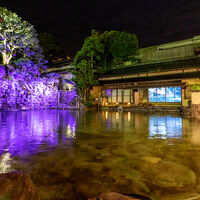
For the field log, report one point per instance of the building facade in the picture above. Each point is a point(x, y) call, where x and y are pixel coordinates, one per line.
point(166, 76)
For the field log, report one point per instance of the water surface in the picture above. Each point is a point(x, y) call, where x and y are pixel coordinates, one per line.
point(76, 155)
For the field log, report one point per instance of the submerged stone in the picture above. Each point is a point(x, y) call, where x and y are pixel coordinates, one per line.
point(153, 160)
point(5, 163)
point(167, 174)
point(113, 196)
point(17, 186)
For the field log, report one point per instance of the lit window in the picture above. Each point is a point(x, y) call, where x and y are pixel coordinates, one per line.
point(127, 93)
point(109, 95)
point(119, 95)
point(108, 92)
point(114, 95)
point(168, 94)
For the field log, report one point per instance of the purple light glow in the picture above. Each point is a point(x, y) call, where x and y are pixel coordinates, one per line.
point(69, 98)
point(16, 94)
point(108, 91)
point(2, 71)
point(28, 132)
point(24, 91)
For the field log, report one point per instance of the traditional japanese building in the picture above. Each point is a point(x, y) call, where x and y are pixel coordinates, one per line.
point(164, 76)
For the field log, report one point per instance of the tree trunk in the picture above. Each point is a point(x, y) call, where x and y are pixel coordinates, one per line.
point(5, 63)
point(105, 65)
point(86, 94)
point(92, 61)
point(4, 59)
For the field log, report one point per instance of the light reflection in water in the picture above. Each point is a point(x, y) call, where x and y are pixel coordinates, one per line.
point(71, 130)
point(117, 116)
point(24, 132)
point(129, 116)
point(157, 126)
point(124, 143)
point(28, 132)
point(106, 114)
point(165, 127)
point(5, 162)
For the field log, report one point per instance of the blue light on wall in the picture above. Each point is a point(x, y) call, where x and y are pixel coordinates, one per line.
point(165, 94)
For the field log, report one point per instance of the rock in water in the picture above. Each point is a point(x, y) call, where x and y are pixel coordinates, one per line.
point(5, 163)
point(169, 175)
point(17, 186)
point(113, 196)
point(153, 160)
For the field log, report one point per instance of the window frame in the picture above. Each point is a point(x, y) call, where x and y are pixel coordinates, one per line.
point(165, 95)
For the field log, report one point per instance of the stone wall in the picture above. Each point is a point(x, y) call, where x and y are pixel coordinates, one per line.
point(17, 94)
point(195, 111)
point(36, 94)
point(195, 108)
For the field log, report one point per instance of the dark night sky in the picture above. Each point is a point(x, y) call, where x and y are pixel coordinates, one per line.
point(153, 21)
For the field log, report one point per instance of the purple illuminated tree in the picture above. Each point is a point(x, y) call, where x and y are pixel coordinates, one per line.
point(18, 37)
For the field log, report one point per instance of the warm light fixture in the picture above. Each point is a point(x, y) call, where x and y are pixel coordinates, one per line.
point(117, 103)
point(106, 103)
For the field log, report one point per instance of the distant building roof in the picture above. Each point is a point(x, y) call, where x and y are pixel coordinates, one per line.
point(171, 59)
point(172, 50)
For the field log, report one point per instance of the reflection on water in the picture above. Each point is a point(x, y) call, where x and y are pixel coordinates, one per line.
point(165, 127)
point(95, 152)
point(157, 126)
point(5, 162)
point(25, 131)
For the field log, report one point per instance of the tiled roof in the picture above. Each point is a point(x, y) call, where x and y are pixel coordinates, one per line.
point(159, 66)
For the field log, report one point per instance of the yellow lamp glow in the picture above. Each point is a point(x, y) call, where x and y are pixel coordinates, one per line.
point(117, 116)
point(129, 116)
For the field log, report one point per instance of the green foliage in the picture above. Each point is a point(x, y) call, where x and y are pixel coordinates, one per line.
point(89, 102)
point(123, 44)
point(107, 58)
point(118, 47)
point(195, 86)
point(17, 37)
point(99, 53)
point(86, 64)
